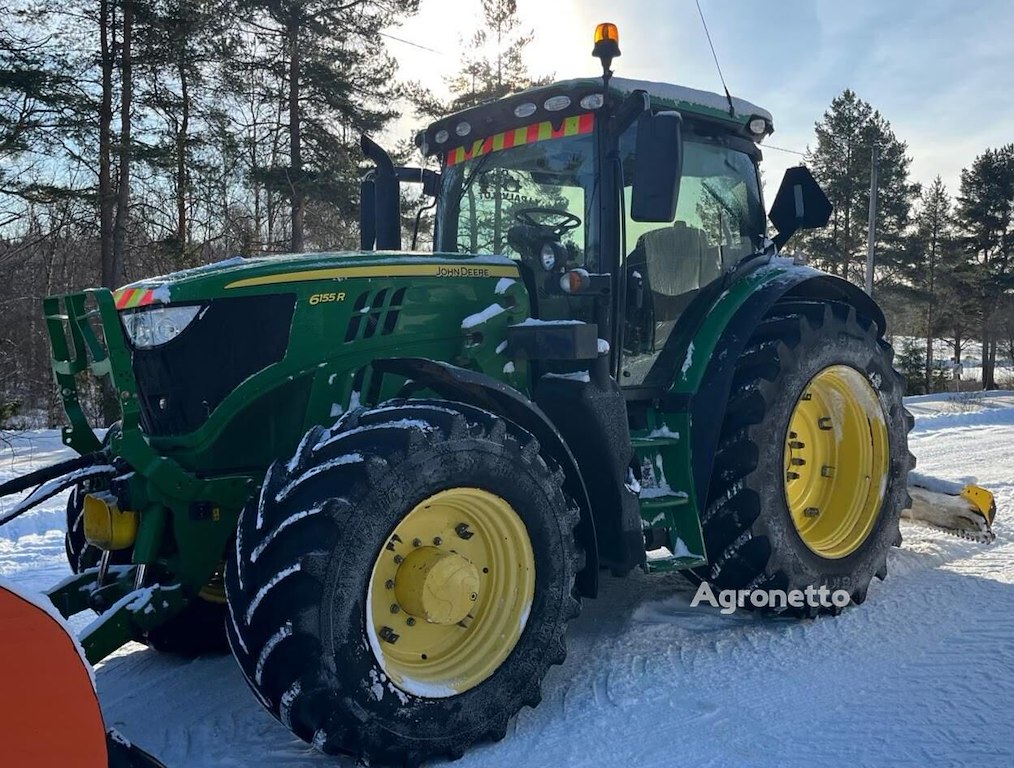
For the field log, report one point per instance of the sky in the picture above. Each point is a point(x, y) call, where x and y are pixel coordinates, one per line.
point(941, 71)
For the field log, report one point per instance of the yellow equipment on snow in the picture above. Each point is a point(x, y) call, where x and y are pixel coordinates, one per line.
point(967, 511)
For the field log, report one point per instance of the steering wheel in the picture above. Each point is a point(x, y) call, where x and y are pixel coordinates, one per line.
point(568, 221)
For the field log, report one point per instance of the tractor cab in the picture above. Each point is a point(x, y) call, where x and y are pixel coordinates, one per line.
point(622, 201)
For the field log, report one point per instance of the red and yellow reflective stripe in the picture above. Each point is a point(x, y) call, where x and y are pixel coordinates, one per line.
point(132, 298)
point(571, 126)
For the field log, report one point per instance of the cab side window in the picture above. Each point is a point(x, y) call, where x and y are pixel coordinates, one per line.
point(716, 224)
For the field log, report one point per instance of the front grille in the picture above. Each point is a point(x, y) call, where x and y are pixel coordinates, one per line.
point(182, 382)
point(375, 314)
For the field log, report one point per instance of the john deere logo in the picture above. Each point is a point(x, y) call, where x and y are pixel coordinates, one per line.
point(463, 272)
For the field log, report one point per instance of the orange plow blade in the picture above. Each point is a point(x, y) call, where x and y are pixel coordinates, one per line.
point(49, 713)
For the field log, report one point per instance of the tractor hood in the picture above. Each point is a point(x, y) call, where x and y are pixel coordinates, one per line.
point(264, 274)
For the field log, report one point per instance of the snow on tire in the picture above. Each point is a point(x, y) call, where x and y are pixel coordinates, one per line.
point(753, 540)
point(307, 556)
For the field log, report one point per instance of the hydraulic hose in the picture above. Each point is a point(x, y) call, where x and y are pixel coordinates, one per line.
point(50, 480)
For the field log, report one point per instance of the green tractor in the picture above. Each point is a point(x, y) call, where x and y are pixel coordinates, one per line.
point(390, 477)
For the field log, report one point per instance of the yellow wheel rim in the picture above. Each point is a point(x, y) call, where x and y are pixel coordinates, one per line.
point(450, 592)
point(836, 461)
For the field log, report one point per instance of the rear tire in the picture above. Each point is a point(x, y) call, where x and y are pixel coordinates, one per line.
point(301, 587)
point(755, 534)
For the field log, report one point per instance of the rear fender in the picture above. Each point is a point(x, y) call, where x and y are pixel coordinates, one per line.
point(704, 384)
point(482, 391)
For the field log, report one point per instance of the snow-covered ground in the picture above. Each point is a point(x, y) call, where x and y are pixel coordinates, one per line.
point(921, 674)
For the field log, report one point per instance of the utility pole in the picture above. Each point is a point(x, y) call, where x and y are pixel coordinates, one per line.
point(871, 236)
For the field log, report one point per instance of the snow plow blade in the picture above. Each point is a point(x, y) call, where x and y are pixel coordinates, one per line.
point(966, 511)
point(49, 713)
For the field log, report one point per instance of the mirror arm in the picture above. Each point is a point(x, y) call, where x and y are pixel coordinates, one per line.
point(635, 105)
point(429, 179)
point(782, 238)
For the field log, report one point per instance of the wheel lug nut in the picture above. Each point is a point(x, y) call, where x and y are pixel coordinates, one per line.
point(395, 608)
point(797, 462)
point(463, 531)
point(791, 475)
point(796, 445)
point(389, 584)
point(398, 559)
point(410, 621)
point(416, 542)
point(437, 541)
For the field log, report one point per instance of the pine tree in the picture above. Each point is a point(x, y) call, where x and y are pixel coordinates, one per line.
point(936, 256)
point(180, 44)
point(911, 363)
point(492, 64)
point(336, 83)
point(986, 213)
point(841, 162)
point(492, 67)
point(37, 102)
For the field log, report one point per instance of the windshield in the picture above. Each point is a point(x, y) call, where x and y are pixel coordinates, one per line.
point(506, 200)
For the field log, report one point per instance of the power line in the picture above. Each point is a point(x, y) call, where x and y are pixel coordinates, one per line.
point(732, 110)
point(783, 149)
point(409, 42)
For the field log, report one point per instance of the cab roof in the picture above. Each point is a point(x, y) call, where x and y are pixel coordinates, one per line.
point(464, 128)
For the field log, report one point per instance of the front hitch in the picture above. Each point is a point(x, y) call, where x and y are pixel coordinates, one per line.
point(199, 513)
point(126, 612)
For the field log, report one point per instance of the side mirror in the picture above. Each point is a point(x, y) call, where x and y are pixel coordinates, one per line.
point(658, 165)
point(799, 204)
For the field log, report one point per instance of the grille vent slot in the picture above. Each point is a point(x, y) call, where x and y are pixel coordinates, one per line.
point(375, 314)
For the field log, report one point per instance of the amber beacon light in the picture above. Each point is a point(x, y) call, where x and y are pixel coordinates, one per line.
point(607, 42)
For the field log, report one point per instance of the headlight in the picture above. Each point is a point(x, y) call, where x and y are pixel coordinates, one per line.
point(154, 326)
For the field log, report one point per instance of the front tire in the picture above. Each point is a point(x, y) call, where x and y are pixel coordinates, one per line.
point(370, 619)
point(809, 479)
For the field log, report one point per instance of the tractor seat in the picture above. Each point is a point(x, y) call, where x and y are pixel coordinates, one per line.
point(678, 262)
